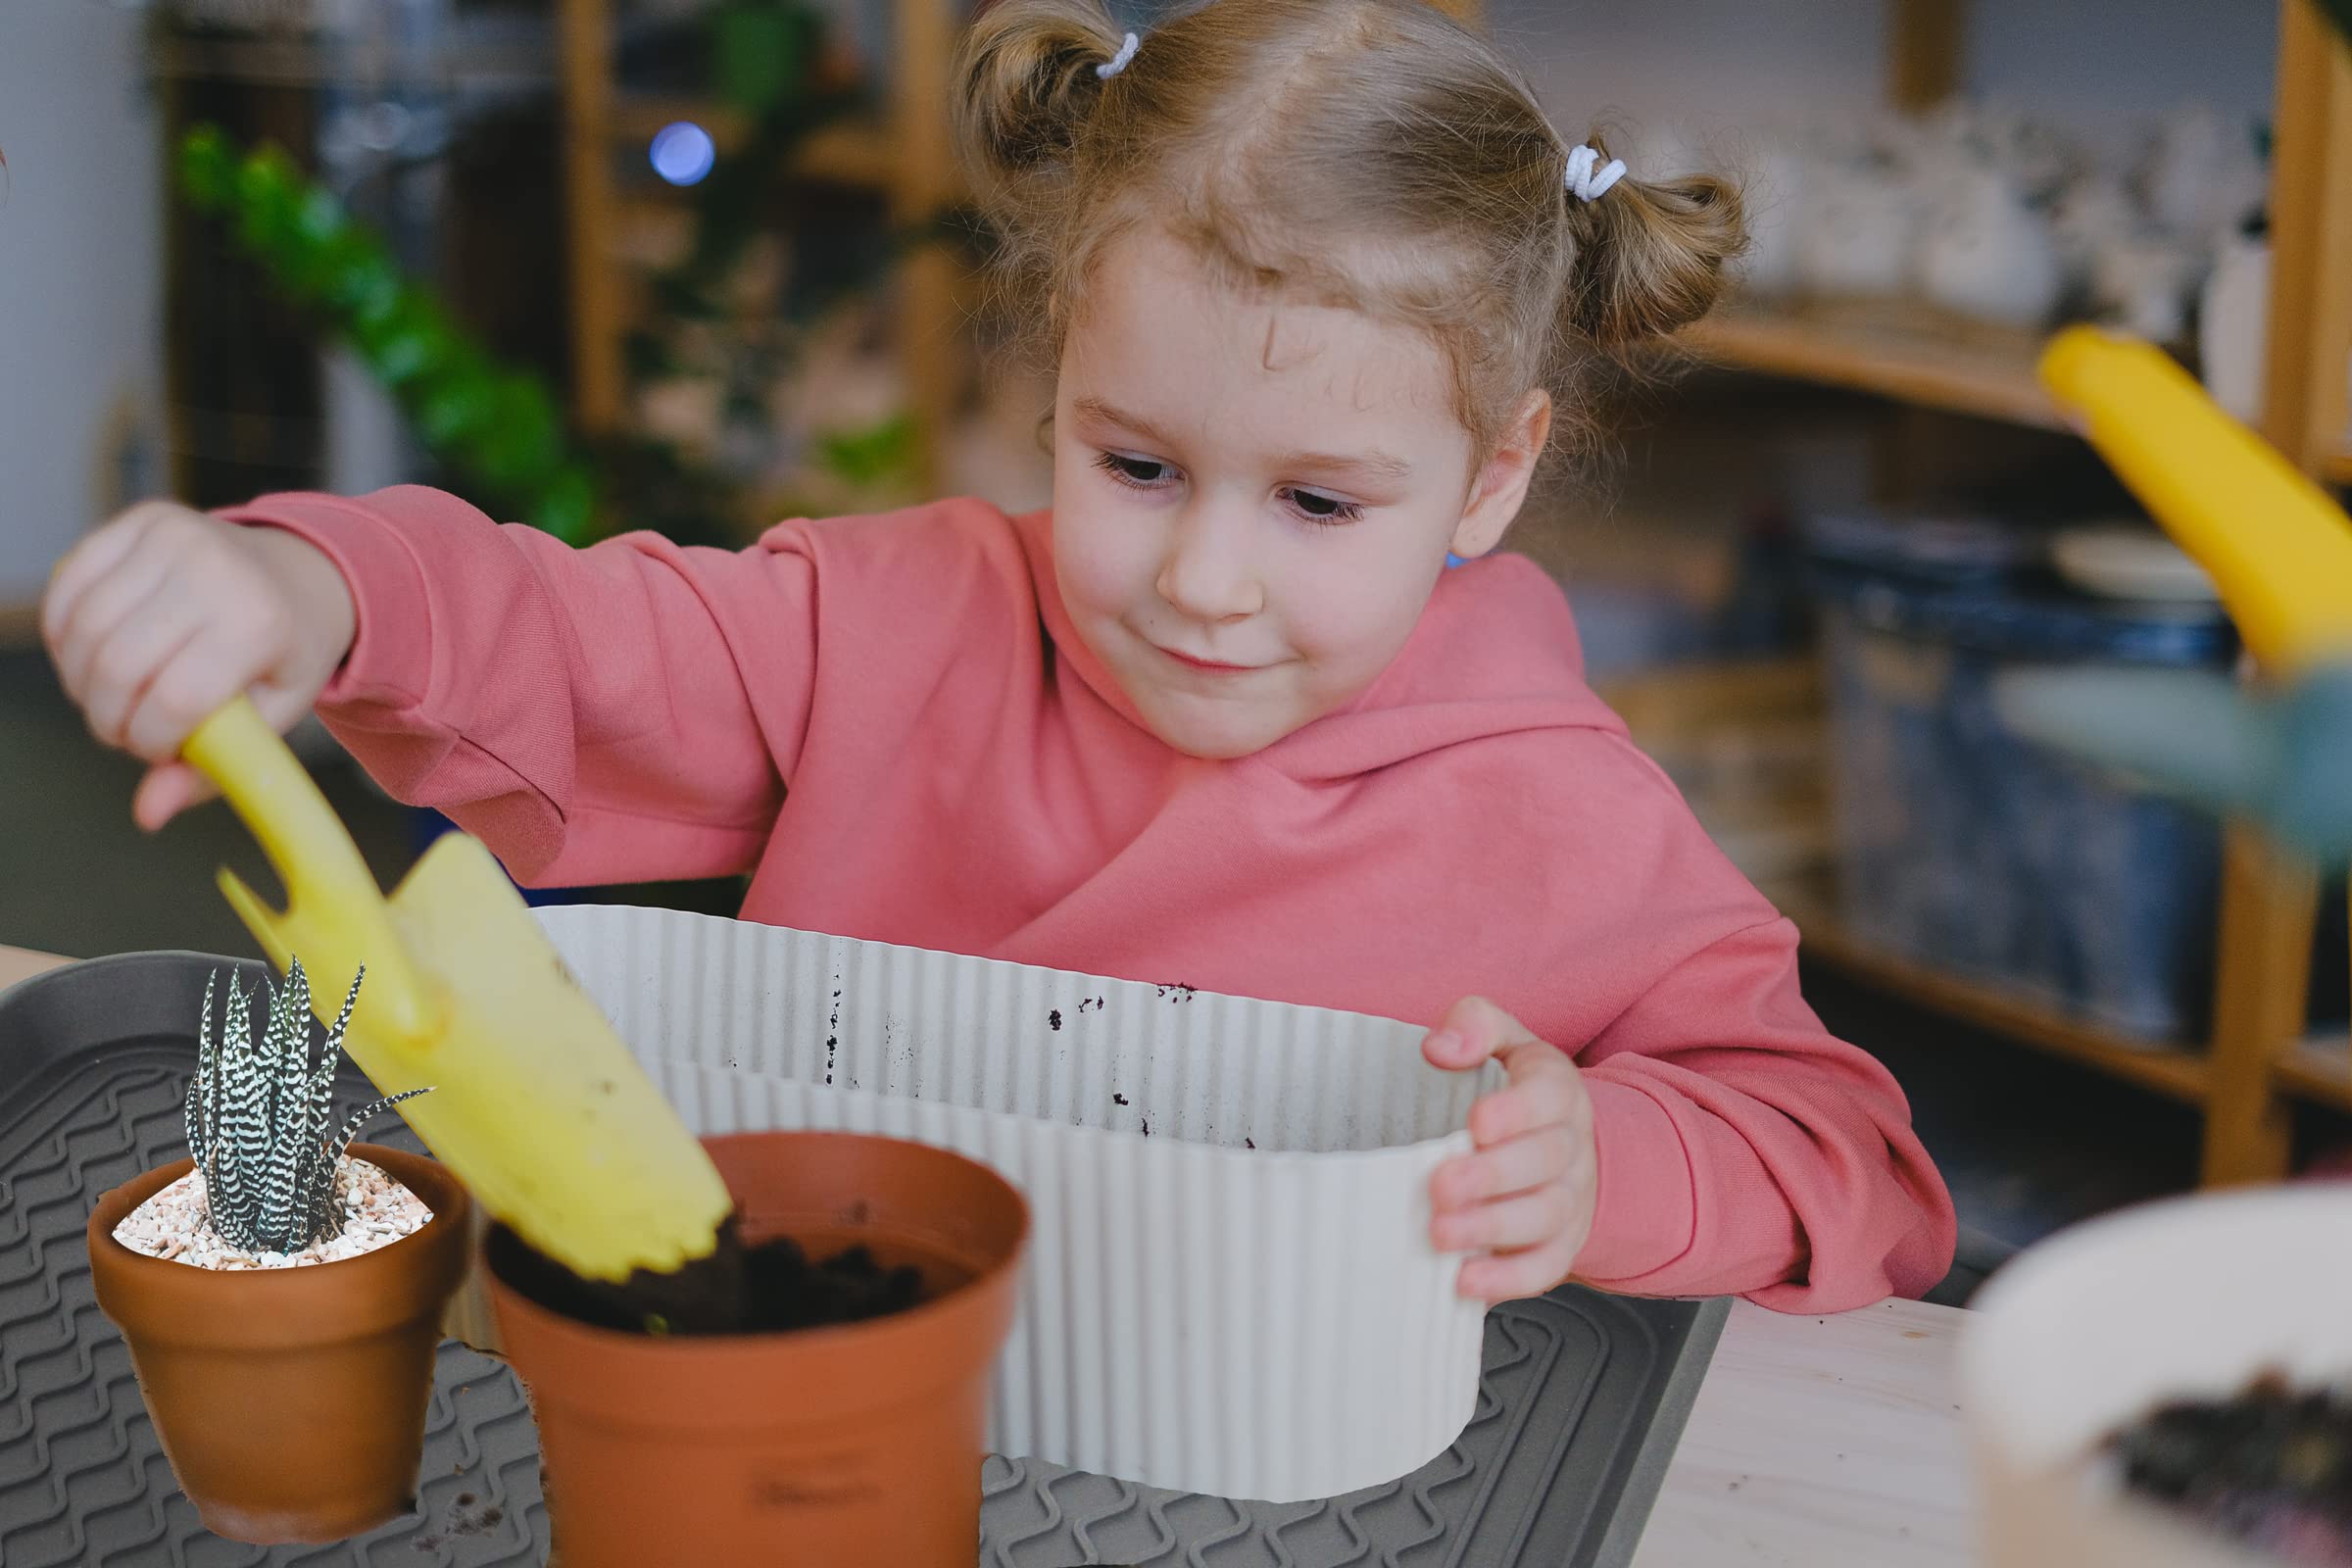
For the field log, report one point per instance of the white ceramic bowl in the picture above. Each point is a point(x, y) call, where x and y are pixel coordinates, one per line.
point(2081, 1334)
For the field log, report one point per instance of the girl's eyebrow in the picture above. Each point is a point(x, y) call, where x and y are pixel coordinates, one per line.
point(1374, 464)
point(1364, 464)
point(1097, 409)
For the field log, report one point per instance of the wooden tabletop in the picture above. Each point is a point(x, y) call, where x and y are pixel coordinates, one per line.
point(17, 964)
point(1822, 1442)
point(1815, 1442)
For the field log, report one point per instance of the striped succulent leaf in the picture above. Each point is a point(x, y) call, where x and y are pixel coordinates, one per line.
point(286, 1069)
point(198, 1103)
point(257, 1111)
point(231, 1208)
point(365, 1115)
point(318, 1113)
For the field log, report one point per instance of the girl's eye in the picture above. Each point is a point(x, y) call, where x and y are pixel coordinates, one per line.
point(1144, 474)
point(1316, 507)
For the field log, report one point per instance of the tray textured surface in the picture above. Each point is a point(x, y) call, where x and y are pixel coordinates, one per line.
point(1581, 1399)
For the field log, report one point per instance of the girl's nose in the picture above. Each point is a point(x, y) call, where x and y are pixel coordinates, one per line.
point(1208, 572)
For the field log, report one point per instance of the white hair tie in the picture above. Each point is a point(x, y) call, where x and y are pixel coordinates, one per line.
point(1120, 60)
point(1585, 181)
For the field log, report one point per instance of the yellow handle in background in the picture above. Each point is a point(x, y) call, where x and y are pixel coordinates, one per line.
point(2277, 548)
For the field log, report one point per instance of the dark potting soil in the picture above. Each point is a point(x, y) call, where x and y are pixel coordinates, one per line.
point(2270, 1467)
point(773, 1287)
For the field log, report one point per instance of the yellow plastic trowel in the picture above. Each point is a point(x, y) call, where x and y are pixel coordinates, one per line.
point(536, 1104)
point(2279, 550)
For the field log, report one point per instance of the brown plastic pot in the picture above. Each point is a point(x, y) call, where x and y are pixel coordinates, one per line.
point(291, 1402)
point(856, 1443)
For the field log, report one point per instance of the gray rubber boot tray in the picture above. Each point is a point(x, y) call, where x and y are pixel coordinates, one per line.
point(1584, 1398)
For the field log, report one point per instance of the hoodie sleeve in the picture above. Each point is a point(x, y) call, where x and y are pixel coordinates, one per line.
point(1744, 1150)
point(623, 713)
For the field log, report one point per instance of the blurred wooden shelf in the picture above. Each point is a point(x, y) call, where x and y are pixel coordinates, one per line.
point(19, 625)
point(850, 152)
point(1912, 356)
point(2339, 467)
point(2182, 1074)
point(2319, 1069)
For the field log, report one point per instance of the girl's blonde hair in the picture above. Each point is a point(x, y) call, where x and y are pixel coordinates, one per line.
point(1367, 153)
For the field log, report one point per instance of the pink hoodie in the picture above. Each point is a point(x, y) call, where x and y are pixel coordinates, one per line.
point(889, 723)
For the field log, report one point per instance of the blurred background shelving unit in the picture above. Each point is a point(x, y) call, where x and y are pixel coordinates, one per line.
point(2257, 1058)
point(900, 151)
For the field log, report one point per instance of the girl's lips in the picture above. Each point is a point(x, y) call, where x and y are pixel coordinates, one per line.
point(1209, 665)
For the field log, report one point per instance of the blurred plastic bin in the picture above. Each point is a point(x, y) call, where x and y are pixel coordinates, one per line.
point(1961, 845)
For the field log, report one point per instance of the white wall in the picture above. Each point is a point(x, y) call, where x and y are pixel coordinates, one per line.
point(1716, 68)
point(1722, 69)
point(2102, 68)
point(80, 270)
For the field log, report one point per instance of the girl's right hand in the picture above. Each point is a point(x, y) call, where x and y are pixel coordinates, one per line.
point(164, 613)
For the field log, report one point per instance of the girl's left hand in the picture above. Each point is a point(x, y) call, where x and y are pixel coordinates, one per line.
point(1526, 1195)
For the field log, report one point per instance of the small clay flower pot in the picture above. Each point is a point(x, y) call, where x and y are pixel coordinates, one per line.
point(860, 1443)
point(290, 1401)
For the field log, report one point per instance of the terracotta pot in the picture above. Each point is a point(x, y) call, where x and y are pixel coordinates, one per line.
point(291, 1402)
point(2089, 1330)
point(858, 1443)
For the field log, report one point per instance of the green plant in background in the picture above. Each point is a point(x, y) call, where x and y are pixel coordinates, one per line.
point(499, 425)
point(500, 429)
point(874, 456)
point(771, 67)
point(256, 1118)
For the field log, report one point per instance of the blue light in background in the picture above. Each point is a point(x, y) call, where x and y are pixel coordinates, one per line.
point(683, 153)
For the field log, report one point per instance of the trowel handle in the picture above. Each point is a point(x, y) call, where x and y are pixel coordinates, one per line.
point(335, 918)
point(2277, 548)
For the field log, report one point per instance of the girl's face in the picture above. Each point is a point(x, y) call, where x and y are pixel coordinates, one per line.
point(1252, 498)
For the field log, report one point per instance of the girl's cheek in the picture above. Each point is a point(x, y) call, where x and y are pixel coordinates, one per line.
point(1100, 564)
point(1358, 615)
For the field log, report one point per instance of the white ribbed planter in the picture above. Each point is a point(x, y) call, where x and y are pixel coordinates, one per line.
point(1262, 1322)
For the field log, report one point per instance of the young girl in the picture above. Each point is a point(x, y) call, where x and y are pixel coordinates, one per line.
point(1319, 278)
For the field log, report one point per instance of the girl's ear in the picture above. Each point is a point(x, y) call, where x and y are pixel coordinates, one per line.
point(1500, 488)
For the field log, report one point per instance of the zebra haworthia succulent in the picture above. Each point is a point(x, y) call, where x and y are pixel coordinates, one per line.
point(257, 1117)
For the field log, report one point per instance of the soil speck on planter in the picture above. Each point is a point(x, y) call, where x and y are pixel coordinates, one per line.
point(2270, 1467)
point(1248, 1143)
point(1146, 1126)
point(1118, 1100)
point(1054, 1018)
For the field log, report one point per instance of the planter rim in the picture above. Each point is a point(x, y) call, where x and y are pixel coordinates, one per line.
point(914, 1322)
point(153, 1296)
